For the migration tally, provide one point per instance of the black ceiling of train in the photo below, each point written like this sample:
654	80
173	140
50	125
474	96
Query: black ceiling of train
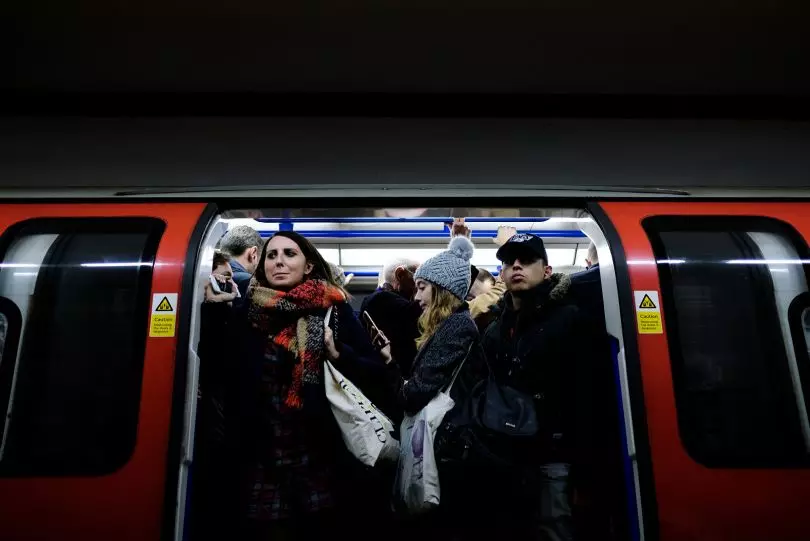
240	53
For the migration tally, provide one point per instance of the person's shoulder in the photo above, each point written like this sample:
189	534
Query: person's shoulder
460	321
344	309
242	280
377	296
585	277
241	273
383	299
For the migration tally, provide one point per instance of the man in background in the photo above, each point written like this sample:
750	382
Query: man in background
602	500
586	290
244	245
395	312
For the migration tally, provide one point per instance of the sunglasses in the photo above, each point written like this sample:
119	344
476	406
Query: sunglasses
528	258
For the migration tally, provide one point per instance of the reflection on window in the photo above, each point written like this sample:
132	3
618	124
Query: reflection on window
3	332
806	329
77	383
739	395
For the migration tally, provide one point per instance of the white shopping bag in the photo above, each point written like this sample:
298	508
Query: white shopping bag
418	475
417	481
366	431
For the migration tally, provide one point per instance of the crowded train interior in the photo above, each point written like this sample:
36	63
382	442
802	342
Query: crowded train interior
361	242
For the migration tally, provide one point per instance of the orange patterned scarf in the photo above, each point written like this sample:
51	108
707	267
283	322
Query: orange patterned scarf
293	320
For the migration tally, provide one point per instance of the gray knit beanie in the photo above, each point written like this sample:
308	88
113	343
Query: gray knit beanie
450	269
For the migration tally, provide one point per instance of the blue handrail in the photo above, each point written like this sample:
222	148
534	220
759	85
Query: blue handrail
423	234
391	219
375	274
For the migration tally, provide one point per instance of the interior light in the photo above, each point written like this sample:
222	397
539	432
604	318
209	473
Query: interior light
118	264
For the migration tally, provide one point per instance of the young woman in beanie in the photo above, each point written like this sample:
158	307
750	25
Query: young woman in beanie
447	334
447	330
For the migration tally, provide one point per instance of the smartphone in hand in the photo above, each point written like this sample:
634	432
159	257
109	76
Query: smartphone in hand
220	286
215	285
377	337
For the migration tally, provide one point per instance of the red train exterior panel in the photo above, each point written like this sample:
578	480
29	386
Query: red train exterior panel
696	502
127	504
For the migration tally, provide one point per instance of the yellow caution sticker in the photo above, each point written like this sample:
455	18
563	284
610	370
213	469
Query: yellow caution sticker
648	312
164	315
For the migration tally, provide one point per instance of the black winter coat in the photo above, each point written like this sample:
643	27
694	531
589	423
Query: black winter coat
543	350
234	352
397	318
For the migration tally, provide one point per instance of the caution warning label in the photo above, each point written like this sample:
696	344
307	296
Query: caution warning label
164	315
648	312
164	305
646	302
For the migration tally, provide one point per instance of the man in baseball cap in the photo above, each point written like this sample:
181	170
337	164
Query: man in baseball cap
523	243
525	263
534	347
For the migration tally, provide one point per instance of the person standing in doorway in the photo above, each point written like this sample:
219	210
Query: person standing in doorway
535	347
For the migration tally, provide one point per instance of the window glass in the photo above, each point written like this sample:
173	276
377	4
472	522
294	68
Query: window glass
806	328
727	286
3	331
82	289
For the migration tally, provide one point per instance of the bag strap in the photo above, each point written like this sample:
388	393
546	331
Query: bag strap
457	371
326	321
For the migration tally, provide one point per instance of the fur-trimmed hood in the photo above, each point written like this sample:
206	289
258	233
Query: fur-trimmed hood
560	285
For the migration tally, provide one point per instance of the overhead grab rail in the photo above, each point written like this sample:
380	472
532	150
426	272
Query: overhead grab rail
288	224
426	234
376	274
403	220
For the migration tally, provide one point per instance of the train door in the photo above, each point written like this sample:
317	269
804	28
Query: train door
89	329
717	297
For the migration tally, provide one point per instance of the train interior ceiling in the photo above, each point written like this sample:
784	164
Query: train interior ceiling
361	244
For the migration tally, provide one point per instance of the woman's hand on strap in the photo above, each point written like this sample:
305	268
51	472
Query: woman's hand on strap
329	343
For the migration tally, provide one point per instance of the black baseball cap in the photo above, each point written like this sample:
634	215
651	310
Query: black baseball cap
525	245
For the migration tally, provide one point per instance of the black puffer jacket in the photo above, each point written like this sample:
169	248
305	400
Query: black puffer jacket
542	350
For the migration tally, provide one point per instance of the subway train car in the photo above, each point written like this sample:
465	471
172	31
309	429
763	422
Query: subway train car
705	295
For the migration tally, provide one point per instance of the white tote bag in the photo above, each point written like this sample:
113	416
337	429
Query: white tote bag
366	431
417	481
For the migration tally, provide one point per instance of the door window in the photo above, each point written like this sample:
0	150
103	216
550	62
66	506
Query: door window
728	285
82	289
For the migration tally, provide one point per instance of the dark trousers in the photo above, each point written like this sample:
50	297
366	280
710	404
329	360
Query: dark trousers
533	505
